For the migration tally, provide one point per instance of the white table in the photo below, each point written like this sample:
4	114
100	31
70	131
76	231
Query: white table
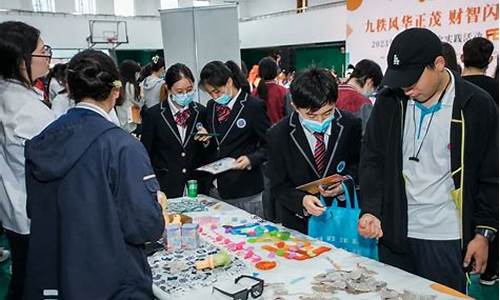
298	275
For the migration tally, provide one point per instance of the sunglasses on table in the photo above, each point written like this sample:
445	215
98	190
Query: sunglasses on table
255	290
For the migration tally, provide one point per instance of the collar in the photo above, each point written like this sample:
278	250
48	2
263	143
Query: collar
94	108
233	101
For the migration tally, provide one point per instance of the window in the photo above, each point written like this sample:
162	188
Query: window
43	5
85	6
302	6
124	7
167	4
201	3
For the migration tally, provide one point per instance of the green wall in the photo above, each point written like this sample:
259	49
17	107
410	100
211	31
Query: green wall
141	56
325	57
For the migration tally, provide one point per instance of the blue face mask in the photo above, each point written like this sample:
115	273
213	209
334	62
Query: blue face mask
224	99
314	126
183	99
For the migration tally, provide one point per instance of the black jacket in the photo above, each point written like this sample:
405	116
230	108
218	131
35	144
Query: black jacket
174	161
242	134
381	180
291	162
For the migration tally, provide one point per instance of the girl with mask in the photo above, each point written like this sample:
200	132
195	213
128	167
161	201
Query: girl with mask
23	58
355	95
315	141
239	123
169	134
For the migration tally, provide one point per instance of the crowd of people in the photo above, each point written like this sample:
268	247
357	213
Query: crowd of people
84	154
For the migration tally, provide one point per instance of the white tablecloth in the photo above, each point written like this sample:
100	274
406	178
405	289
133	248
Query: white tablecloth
298	275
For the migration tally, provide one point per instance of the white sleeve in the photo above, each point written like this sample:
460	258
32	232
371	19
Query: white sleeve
60	105
31	119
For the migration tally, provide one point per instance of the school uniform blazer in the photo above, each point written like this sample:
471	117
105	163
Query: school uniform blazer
174	161
291	162
242	134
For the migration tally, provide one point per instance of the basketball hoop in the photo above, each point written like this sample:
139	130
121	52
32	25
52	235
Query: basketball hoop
112	41
107	34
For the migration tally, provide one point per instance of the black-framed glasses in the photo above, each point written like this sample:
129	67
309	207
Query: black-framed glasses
46	52
255	290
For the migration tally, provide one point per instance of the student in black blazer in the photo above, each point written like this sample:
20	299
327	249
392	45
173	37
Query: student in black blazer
315	141
168	135
240	122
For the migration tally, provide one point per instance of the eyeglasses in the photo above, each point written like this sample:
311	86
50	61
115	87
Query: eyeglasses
47	52
256	290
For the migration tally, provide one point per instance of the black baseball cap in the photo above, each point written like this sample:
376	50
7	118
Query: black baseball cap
410	52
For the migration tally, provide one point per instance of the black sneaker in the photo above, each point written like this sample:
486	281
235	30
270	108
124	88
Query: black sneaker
488	278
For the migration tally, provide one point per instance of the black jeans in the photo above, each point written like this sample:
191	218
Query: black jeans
439	261
19	255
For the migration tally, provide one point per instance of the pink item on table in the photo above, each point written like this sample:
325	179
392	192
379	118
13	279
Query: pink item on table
239	246
271	255
248	254
256	259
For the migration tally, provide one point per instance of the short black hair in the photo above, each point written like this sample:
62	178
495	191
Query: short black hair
367	69
313	89
217	73
157	62
477	52
91	74
176	72
18	40
450	57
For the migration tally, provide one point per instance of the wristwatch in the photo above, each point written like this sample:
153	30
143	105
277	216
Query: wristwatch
487	233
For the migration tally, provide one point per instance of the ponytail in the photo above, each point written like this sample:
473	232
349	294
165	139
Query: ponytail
239	80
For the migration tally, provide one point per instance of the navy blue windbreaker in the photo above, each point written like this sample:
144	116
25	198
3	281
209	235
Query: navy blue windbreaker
92	204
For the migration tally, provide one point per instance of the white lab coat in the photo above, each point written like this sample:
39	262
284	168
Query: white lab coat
22	116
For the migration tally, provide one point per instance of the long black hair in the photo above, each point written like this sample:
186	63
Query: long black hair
18	40
91	74
128	69
268	70
217	73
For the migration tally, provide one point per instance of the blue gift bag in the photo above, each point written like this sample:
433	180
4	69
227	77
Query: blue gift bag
339	227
